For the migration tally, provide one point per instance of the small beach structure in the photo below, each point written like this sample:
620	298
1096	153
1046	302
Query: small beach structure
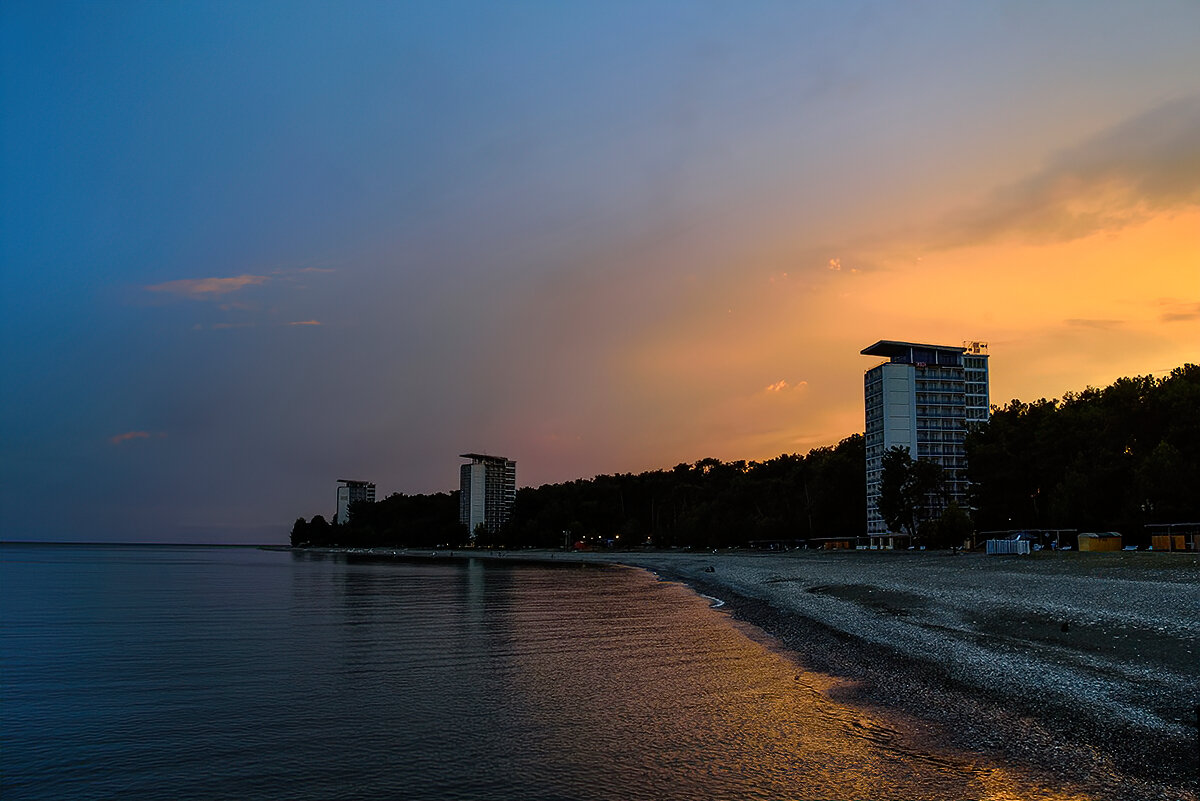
889	542
775	545
1100	541
1174	536
1013	546
1038	538
833	543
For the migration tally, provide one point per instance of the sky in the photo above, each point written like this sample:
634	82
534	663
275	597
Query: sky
250	248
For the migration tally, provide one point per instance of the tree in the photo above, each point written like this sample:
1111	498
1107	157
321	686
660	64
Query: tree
1101	459
319	531
953	528
299	533
910	489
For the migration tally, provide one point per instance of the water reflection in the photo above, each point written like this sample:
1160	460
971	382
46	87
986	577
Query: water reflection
606	683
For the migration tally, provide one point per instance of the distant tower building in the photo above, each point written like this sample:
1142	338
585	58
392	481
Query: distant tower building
923	398
489	489
349	492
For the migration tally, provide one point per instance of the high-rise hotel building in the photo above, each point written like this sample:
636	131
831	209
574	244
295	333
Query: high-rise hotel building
350	491
923	398
488	490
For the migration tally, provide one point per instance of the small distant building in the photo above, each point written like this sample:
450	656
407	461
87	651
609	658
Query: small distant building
350	491
487	492
1100	541
1174	536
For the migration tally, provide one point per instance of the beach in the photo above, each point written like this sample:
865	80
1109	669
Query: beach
1082	664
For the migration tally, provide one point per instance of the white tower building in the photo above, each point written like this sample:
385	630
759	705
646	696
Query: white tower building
923	398
350	491
488	490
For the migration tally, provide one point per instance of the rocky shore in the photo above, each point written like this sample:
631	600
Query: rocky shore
1086	665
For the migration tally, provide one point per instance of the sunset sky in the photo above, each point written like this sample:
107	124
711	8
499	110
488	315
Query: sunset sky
253	247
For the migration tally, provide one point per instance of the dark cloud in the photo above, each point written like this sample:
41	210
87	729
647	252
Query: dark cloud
130	435
1079	322
1144	166
1181	312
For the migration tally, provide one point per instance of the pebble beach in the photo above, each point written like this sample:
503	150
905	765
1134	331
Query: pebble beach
1084	664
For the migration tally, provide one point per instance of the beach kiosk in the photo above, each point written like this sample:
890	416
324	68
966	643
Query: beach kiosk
1174	536
1100	541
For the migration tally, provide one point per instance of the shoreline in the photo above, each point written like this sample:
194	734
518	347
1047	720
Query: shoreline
1081	665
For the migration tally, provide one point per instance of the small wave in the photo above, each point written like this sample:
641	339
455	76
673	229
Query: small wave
717	603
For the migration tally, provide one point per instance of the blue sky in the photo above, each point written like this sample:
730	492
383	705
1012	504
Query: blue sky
250	248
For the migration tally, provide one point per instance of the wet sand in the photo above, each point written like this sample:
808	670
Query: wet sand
1083	665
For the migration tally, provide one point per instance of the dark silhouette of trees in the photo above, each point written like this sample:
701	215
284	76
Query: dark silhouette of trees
418	521
953	529
299	536
1101	459
707	504
910	493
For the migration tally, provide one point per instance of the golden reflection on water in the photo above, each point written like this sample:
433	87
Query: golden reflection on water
688	692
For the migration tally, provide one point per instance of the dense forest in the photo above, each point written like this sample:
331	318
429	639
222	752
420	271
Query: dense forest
1109	459
707	504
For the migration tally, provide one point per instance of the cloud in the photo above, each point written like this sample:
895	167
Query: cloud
208	288
290	271
1180	312
1100	324
781	385
130	435
305	322
1144	166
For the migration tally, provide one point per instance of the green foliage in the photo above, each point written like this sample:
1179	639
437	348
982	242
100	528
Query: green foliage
1102	459
319	531
708	504
952	530
299	533
910	492
418	521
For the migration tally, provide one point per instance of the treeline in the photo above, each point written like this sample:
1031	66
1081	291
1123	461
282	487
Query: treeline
1098	460
414	521
707	504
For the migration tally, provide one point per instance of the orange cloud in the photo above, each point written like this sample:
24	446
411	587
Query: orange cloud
128	435
781	385
208	288
306	322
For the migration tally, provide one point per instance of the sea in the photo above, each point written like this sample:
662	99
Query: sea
146	672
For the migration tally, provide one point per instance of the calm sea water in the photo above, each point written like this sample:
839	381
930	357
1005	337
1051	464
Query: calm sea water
176	672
